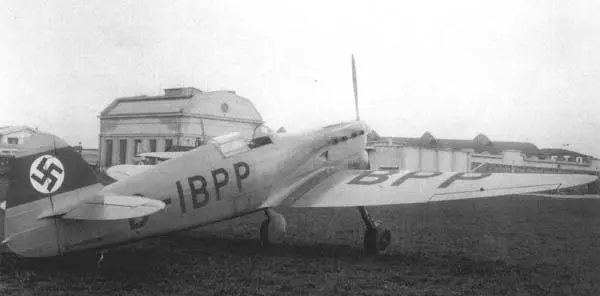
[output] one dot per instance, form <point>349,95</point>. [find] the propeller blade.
<point>355,85</point>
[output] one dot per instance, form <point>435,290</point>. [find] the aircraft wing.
<point>350,188</point>
<point>123,171</point>
<point>108,208</point>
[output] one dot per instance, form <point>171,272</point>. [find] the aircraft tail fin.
<point>46,166</point>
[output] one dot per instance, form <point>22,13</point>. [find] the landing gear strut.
<point>377,238</point>
<point>264,231</point>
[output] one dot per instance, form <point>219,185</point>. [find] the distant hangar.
<point>478,155</point>
<point>180,119</point>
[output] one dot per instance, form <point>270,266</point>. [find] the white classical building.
<point>181,118</point>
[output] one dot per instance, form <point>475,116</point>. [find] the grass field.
<point>502,246</point>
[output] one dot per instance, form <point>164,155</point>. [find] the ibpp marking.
<point>199,186</point>
<point>46,174</point>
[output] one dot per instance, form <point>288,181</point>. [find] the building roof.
<point>187,101</point>
<point>479,144</point>
<point>9,129</point>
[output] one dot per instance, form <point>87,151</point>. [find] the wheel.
<point>377,240</point>
<point>264,233</point>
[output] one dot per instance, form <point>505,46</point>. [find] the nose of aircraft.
<point>360,160</point>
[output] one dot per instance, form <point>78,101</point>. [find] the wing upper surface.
<point>376,188</point>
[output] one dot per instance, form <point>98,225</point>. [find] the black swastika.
<point>47,174</point>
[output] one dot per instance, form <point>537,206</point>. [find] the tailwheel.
<point>100,254</point>
<point>377,238</point>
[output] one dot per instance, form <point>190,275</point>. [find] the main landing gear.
<point>273,228</point>
<point>377,238</point>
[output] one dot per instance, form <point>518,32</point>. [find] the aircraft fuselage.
<point>204,186</point>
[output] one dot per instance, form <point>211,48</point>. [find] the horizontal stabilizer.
<point>113,208</point>
<point>123,171</point>
<point>162,155</point>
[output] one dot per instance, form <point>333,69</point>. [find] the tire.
<point>264,234</point>
<point>377,240</point>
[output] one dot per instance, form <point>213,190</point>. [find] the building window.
<point>13,141</point>
<point>108,154</point>
<point>137,147</point>
<point>123,151</point>
<point>153,145</point>
<point>168,144</point>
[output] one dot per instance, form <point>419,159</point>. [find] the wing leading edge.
<point>335,188</point>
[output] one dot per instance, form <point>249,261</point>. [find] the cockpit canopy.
<point>262,135</point>
<point>232,144</point>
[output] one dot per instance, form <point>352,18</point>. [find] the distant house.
<point>556,154</point>
<point>11,137</point>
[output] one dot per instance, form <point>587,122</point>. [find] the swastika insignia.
<point>46,174</point>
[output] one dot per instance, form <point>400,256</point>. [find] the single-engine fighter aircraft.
<point>56,204</point>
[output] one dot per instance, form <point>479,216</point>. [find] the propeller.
<point>355,85</point>
<point>363,162</point>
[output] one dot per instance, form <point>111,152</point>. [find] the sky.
<point>512,70</point>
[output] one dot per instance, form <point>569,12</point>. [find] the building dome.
<point>427,140</point>
<point>482,140</point>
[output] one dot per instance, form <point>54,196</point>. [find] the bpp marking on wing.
<point>380,176</point>
<point>46,174</point>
